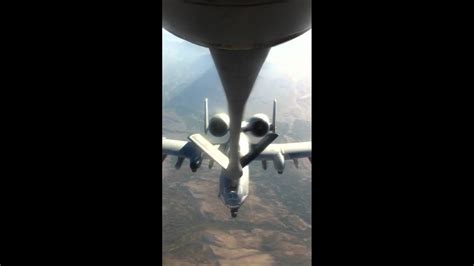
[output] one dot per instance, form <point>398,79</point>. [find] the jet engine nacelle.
<point>219,125</point>
<point>259,125</point>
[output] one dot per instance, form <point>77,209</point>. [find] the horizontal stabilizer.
<point>252,155</point>
<point>208,148</point>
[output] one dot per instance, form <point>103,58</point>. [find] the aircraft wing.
<point>288,150</point>
<point>279,153</point>
<point>177,148</point>
<point>183,150</point>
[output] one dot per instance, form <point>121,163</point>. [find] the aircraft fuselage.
<point>234,191</point>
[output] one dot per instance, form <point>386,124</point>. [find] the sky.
<point>294,55</point>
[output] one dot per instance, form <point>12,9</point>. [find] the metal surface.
<point>239,34</point>
<point>238,71</point>
<point>237,25</point>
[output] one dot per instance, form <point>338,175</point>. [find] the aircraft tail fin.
<point>206,117</point>
<point>273,125</point>
<point>261,145</point>
<point>208,148</point>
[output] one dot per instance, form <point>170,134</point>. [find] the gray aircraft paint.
<point>234,191</point>
<point>239,35</point>
<point>230,197</point>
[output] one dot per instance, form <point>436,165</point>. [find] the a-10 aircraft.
<point>234,187</point>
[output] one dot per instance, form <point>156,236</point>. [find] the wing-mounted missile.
<point>279,162</point>
<point>179,163</point>
<point>296,163</point>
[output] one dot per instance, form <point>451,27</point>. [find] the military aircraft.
<point>234,188</point>
<point>239,35</point>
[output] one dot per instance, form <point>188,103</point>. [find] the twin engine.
<point>219,125</point>
<point>258,125</point>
